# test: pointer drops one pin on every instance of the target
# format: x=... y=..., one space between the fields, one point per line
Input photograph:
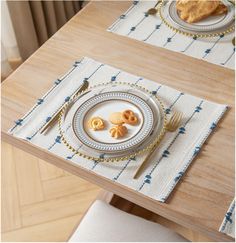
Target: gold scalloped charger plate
x=212 y=23
x=101 y=101
x=212 y=26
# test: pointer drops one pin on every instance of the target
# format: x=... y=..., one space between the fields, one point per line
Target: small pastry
x=116 y=118
x=129 y=117
x=118 y=131
x=221 y=9
x=193 y=11
x=96 y=123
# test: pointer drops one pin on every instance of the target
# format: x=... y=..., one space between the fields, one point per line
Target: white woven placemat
x=228 y=224
x=170 y=160
x=137 y=24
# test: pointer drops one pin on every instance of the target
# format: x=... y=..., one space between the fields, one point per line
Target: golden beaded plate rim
x=186 y=33
x=122 y=158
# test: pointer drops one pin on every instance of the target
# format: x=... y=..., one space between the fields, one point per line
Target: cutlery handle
x=55 y=117
x=140 y=168
x=52 y=121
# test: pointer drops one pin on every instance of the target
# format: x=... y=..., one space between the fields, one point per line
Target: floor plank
x=38 y=198
x=28 y=177
x=64 y=186
x=44 y=232
x=49 y=171
x=11 y=218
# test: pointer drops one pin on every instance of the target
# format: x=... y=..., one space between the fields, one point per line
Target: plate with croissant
x=201 y=15
x=115 y=119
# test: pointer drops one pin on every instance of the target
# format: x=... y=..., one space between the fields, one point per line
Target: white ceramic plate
x=146 y=106
x=213 y=23
x=102 y=105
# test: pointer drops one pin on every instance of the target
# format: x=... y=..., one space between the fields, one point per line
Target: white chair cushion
x=106 y=223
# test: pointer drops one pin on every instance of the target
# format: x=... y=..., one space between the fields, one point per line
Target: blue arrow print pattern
x=124 y=167
x=168 y=110
x=166 y=153
x=40 y=101
x=228 y=219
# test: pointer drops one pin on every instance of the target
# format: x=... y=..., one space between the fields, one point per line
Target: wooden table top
x=206 y=190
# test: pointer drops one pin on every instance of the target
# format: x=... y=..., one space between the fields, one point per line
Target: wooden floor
x=39 y=201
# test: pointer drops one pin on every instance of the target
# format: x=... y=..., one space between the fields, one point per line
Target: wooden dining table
x=202 y=197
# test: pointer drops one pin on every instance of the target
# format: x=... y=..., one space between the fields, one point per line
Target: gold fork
x=172 y=125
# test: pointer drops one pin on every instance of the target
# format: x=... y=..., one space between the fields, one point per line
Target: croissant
x=118 y=131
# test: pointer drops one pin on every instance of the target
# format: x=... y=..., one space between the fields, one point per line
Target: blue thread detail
x=169 y=39
x=135 y=2
x=221 y=36
x=198 y=109
x=165 y=153
x=228 y=217
x=195 y=38
x=229 y=57
x=28 y=138
x=56 y=82
x=67 y=98
x=169 y=146
x=40 y=101
x=147 y=181
x=95 y=164
x=154 y=92
x=146 y=14
x=167 y=111
x=207 y=51
x=48 y=118
x=182 y=130
x=158 y=26
x=177 y=178
x=122 y=170
x=213 y=126
x=19 y=122
x=101 y=156
x=133 y=28
x=113 y=78
x=122 y=16
x=58 y=139
x=196 y=150
x=148 y=176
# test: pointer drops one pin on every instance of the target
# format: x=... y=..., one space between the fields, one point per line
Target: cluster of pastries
x=193 y=11
x=118 y=119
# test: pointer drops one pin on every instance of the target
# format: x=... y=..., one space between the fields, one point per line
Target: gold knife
x=52 y=121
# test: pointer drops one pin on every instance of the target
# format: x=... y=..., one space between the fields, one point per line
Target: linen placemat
x=173 y=155
x=137 y=24
x=228 y=225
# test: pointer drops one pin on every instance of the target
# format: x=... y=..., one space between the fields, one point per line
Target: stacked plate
x=210 y=25
x=101 y=101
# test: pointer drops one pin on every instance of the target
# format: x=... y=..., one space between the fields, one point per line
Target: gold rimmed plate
x=212 y=26
x=102 y=100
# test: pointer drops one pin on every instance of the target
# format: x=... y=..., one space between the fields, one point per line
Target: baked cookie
x=193 y=11
x=129 y=117
x=116 y=118
x=96 y=123
x=118 y=131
